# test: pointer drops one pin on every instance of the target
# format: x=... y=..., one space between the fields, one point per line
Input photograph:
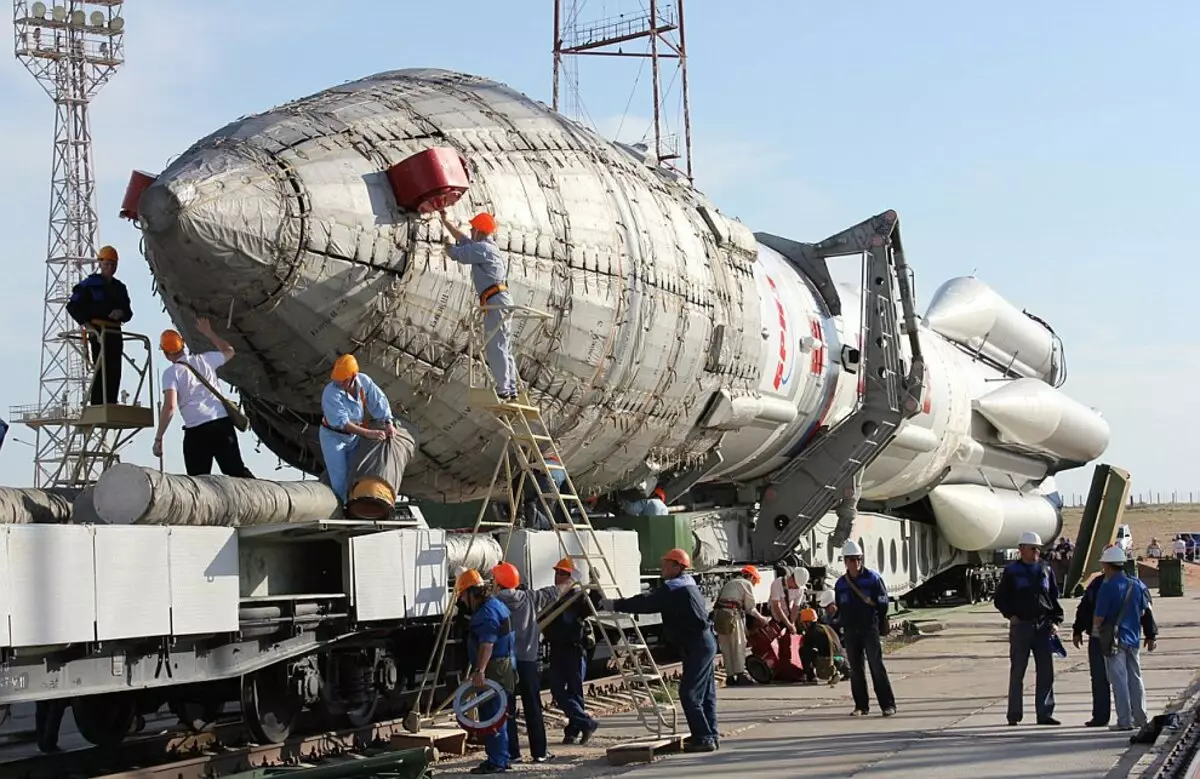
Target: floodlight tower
x=72 y=49
x=663 y=26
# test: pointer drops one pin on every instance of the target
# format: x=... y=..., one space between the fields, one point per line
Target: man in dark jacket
x=1027 y=596
x=101 y=304
x=687 y=628
x=862 y=605
x=569 y=637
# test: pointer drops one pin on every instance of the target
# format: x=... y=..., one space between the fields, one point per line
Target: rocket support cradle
x=682 y=347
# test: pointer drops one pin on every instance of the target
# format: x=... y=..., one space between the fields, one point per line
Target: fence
x=1164 y=499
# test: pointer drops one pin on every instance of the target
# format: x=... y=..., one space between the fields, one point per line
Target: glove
x=595 y=597
x=605 y=604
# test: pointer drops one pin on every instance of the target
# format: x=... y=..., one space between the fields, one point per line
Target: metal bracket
x=801 y=492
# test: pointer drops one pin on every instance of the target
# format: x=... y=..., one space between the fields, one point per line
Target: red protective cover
x=769 y=643
x=429 y=180
x=138 y=182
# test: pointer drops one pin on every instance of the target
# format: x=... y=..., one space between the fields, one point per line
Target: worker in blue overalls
x=862 y=605
x=1027 y=596
x=491 y=649
x=349 y=404
x=570 y=636
x=1122 y=604
x=489 y=274
x=687 y=628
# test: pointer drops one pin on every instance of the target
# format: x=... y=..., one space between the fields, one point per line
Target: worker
x=653 y=506
x=1154 y=550
x=827 y=603
x=822 y=655
x=189 y=384
x=524 y=606
x=1027 y=596
x=489 y=273
x=735 y=604
x=350 y=401
x=1121 y=605
x=687 y=629
x=101 y=304
x=490 y=640
x=1179 y=548
x=570 y=637
x=788 y=595
x=862 y=603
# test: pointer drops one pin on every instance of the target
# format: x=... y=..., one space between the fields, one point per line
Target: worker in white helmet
x=1027 y=596
x=1121 y=604
x=862 y=603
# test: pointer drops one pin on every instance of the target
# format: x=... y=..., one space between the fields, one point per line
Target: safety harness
x=491 y=292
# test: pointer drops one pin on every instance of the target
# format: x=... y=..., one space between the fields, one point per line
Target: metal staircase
x=823 y=474
x=530 y=447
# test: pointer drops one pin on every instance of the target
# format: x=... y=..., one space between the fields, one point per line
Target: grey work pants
x=496 y=330
x=1125 y=672
x=1024 y=638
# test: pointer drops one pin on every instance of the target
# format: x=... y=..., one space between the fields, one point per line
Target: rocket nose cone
x=213 y=211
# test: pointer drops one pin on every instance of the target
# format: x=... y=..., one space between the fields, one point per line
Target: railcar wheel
x=270 y=706
x=197 y=715
x=104 y=720
x=758 y=669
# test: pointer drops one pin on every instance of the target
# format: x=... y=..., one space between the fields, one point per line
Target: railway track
x=224 y=749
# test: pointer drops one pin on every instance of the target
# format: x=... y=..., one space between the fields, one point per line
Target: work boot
x=706 y=745
x=588 y=733
x=1048 y=721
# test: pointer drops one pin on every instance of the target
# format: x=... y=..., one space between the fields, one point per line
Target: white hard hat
x=1030 y=538
x=827 y=597
x=801 y=576
x=851 y=550
x=1114 y=555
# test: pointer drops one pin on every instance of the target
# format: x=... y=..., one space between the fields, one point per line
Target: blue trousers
x=1101 y=698
x=529 y=688
x=496 y=744
x=567 y=668
x=496 y=331
x=336 y=449
x=1025 y=638
x=698 y=687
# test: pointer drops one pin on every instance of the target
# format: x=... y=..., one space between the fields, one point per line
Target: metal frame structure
x=72 y=49
x=662 y=24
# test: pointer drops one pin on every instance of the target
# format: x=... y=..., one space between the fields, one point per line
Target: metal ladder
x=823 y=473
x=527 y=442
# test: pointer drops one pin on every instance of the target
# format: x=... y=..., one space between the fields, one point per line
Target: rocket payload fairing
x=675 y=331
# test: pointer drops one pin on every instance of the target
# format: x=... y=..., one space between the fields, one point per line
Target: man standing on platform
x=1027 y=596
x=101 y=304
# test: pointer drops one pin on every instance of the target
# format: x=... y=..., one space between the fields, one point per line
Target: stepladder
x=535 y=476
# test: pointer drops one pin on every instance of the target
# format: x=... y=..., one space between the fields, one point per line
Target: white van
x=1124 y=538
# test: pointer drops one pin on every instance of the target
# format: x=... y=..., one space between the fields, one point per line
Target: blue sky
x=1047 y=148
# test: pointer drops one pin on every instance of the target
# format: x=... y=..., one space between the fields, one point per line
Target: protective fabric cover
x=25 y=505
x=83 y=512
x=486 y=553
x=376 y=471
x=131 y=494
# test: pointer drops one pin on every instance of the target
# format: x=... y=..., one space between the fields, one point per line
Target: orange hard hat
x=679 y=556
x=170 y=341
x=507 y=576
x=107 y=254
x=565 y=564
x=752 y=572
x=808 y=615
x=345 y=368
x=466 y=580
x=661 y=494
x=484 y=223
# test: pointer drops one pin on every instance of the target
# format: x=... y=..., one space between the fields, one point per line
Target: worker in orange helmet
x=354 y=408
x=189 y=384
x=570 y=637
x=490 y=646
x=489 y=272
x=735 y=604
x=524 y=605
x=101 y=304
x=686 y=627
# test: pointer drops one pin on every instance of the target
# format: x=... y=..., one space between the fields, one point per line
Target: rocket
x=676 y=336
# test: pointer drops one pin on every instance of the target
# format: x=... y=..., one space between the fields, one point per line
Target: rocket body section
x=673 y=332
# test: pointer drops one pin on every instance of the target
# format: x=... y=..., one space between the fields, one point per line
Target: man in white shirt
x=208 y=432
x=786 y=606
x=1180 y=547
